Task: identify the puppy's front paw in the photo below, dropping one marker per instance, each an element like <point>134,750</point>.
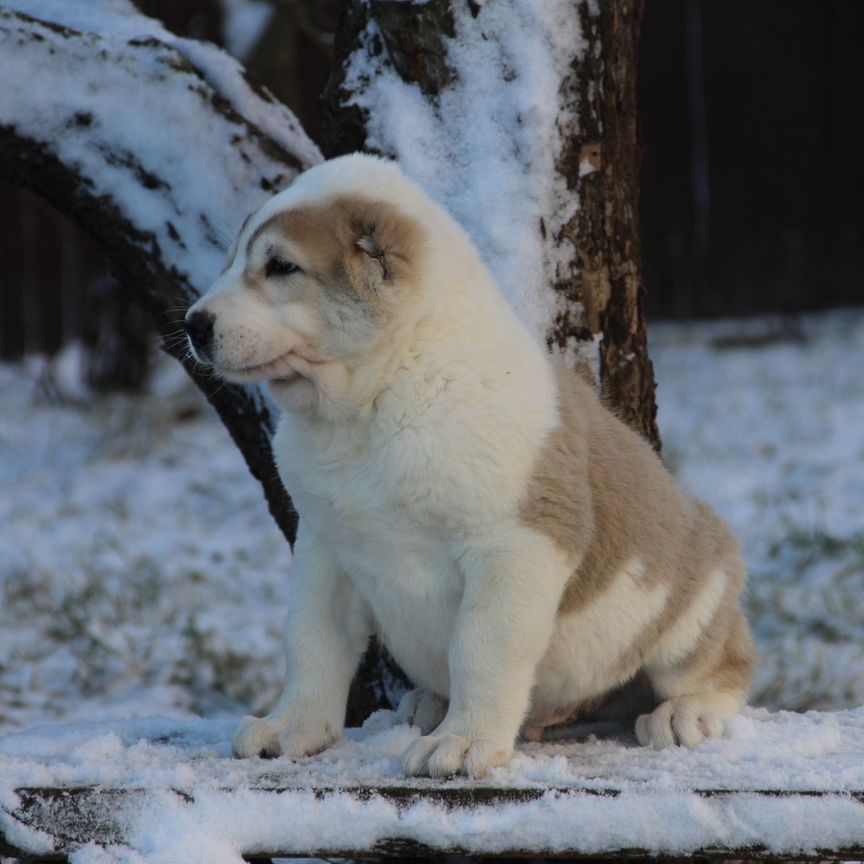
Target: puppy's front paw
<point>421,708</point>
<point>264,736</point>
<point>447,754</point>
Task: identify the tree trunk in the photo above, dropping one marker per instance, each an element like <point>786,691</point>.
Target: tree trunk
<point>606,232</point>
<point>391,54</point>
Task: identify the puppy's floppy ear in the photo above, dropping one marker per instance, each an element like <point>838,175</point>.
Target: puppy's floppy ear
<point>388,237</point>
<point>368,244</point>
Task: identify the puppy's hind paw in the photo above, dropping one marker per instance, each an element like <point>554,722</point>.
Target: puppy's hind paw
<point>686,721</point>
<point>421,708</point>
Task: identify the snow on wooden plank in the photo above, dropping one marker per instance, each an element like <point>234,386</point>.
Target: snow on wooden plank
<point>76,817</point>
<point>155,789</point>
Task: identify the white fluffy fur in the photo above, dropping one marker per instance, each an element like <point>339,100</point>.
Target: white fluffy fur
<point>407,457</point>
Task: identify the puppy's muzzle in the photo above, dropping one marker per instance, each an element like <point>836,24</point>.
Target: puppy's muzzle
<point>199,329</point>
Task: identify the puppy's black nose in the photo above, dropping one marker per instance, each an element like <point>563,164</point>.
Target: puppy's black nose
<point>199,329</point>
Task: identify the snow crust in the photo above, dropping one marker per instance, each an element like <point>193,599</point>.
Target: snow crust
<point>139,123</point>
<point>762,751</point>
<point>486,148</point>
<point>657,807</point>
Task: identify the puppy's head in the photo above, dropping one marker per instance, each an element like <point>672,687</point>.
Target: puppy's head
<point>309,294</point>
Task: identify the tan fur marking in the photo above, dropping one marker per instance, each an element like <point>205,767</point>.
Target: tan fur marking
<point>602,494</point>
<point>558,501</point>
<point>351,244</point>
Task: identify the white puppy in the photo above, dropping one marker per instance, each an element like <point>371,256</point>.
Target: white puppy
<point>517,548</point>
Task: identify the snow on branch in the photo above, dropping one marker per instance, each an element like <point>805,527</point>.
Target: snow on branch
<point>169,130</point>
<point>159,147</point>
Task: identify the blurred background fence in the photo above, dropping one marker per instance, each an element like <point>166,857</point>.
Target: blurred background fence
<point>752,127</point>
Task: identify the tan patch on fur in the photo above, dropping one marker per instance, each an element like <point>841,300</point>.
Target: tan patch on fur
<point>602,494</point>
<point>351,244</point>
<point>558,502</point>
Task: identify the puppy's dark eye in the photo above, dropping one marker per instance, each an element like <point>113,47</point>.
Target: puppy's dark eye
<point>280,267</point>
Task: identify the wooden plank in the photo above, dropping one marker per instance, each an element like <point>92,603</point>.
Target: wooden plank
<point>78,815</point>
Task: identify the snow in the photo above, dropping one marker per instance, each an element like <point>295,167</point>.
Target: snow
<point>98,110</point>
<point>141,574</point>
<point>118,21</point>
<point>763,751</point>
<point>489,136</point>
<point>657,804</point>
<point>139,567</point>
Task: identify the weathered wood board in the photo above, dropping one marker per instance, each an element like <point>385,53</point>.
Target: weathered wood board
<point>75,816</point>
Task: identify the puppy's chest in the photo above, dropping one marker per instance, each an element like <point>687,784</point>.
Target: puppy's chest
<point>376,532</point>
<point>385,520</point>
<point>365,482</point>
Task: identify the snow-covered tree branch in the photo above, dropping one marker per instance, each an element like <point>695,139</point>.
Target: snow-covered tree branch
<point>159,147</point>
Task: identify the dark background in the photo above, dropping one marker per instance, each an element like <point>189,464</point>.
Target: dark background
<point>752,124</point>
<point>752,132</point>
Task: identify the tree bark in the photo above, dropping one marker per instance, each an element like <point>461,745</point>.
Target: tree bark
<point>605,234</point>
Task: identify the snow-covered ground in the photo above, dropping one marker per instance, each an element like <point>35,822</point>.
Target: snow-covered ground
<point>140,572</point>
